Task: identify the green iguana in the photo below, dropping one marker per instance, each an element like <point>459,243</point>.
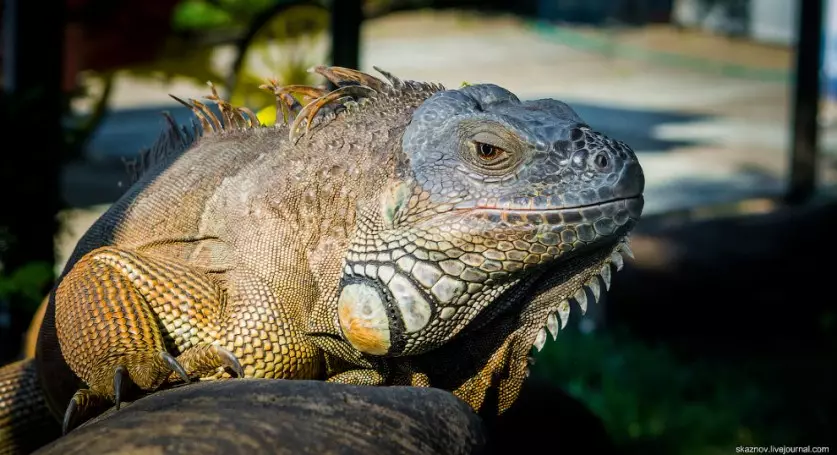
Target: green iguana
<point>388,233</point>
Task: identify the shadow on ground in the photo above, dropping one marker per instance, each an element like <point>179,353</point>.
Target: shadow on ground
<point>635,127</point>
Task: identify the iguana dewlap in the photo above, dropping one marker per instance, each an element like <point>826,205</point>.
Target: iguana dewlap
<point>392,232</point>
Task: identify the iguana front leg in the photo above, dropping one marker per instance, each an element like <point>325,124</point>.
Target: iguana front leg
<point>121,315</point>
<point>503,369</point>
<point>401,372</point>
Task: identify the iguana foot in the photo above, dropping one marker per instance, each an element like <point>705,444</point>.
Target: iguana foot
<point>100,396</point>
<point>418,379</point>
<point>404,374</point>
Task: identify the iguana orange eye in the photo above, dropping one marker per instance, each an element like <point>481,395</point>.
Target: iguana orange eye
<point>488,152</point>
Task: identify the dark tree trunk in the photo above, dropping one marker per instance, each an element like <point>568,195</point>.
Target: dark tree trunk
<point>346,19</point>
<point>806,93</point>
<point>32,155</point>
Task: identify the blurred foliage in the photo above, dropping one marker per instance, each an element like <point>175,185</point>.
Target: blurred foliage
<point>272,38</point>
<point>200,15</point>
<point>25,285</point>
<point>203,15</point>
<point>284,48</point>
<point>653,403</point>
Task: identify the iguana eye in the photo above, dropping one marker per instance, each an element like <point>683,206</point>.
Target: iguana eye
<point>488,152</point>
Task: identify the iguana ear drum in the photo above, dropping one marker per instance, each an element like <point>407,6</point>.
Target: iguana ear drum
<point>363,318</point>
<point>376,318</point>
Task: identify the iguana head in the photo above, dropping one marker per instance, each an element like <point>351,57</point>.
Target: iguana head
<point>491,193</point>
<point>480,218</point>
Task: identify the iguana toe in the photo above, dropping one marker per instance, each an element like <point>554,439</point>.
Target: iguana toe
<point>84,404</point>
<point>174,366</point>
<point>206,359</point>
<point>119,375</point>
<point>360,376</point>
<point>229,361</point>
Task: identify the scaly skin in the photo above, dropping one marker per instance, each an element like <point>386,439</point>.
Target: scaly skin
<point>393,233</point>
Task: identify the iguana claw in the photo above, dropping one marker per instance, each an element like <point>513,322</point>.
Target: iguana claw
<point>229,360</point>
<point>175,366</point>
<point>69,413</point>
<point>84,402</point>
<point>118,376</point>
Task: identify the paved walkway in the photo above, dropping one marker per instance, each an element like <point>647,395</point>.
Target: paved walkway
<point>707,115</point>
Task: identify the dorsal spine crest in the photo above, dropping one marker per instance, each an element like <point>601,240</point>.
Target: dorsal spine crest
<point>356,93</point>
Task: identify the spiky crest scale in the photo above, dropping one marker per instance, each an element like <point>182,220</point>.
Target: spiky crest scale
<point>354,90</point>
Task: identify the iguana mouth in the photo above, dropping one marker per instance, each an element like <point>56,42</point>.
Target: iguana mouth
<point>530,204</point>
<point>518,213</point>
<point>558,233</point>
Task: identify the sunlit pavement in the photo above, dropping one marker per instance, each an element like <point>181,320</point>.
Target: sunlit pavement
<point>706,131</point>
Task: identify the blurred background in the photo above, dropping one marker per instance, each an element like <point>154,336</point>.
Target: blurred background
<point>719,334</point>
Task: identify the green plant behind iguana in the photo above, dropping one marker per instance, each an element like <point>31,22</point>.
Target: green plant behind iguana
<point>394,232</point>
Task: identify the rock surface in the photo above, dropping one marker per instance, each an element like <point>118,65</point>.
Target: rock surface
<point>282,417</point>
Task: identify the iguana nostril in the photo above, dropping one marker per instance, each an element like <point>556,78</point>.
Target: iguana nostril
<point>601,161</point>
